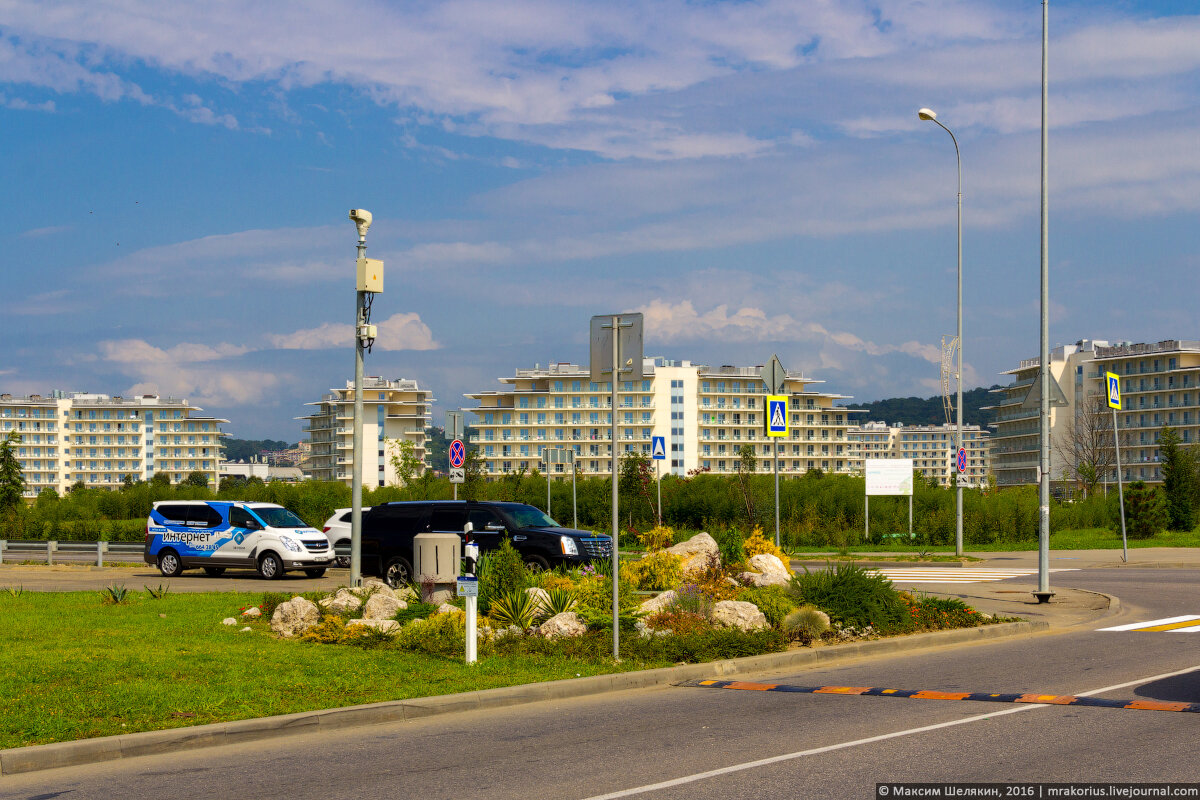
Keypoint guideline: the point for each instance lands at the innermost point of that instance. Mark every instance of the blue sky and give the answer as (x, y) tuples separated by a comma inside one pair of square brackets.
[(750, 175)]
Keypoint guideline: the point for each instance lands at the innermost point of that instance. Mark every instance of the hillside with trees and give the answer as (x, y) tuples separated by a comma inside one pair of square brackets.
[(245, 449), (928, 410)]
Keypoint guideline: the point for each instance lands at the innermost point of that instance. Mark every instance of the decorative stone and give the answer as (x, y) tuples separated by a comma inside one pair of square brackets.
[(656, 604), (373, 586), (246, 629), (697, 553), (342, 603), (739, 614), (437, 593), (380, 606), (254, 612), (229, 621), (447, 608), (768, 571), (294, 617), (385, 625), (540, 597), (562, 625)]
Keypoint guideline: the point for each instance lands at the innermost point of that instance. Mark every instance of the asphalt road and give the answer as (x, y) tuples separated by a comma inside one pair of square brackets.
[(760, 745)]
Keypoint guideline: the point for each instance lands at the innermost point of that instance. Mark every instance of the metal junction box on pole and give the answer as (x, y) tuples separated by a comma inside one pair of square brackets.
[(370, 275)]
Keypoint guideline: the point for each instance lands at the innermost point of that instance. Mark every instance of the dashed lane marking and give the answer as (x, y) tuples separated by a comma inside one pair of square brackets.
[(1188, 623), (929, 694), (955, 575)]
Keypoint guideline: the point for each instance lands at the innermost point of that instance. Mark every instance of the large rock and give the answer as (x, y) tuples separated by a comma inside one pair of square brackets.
[(374, 586), (385, 625), (697, 553), (294, 617), (768, 571), (541, 597), (342, 603), (561, 625), (449, 608), (380, 606), (739, 614), (658, 603)]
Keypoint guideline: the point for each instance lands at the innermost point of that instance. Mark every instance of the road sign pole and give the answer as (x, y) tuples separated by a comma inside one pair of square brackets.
[(775, 447), (1120, 487), (616, 375), (547, 451), (574, 502), (658, 474)]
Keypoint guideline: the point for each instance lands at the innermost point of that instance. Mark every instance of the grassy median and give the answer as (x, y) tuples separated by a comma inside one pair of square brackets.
[(75, 668)]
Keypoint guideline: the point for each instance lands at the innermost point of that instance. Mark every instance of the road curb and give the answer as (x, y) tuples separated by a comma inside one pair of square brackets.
[(89, 751)]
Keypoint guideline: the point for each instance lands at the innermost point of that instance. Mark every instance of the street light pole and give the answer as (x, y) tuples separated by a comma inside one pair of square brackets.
[(927, 114)]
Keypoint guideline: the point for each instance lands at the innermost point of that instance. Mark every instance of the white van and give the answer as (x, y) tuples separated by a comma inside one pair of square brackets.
[(217, 534)]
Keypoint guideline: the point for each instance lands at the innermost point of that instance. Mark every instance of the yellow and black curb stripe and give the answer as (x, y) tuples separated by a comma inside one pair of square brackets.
[(926, 694)]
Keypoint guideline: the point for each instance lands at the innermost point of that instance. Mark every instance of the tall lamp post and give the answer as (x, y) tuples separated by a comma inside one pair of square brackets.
[(930, 116)]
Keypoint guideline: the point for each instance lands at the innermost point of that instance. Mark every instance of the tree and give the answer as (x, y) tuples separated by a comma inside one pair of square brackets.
[(404, 460), (635, 478), (472, 488), (1086, 444), (747, 463), (196, 478), (160, 480), (12, 479), (1179, 480), (1145, 510)]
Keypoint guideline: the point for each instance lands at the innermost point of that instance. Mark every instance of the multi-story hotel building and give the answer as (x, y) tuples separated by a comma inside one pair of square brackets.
[(100, 440), (394, 411), (931, 447), (705, 414), (1160, 387)]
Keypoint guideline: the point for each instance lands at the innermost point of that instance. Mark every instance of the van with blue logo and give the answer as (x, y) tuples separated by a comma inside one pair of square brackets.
[(218, 534)]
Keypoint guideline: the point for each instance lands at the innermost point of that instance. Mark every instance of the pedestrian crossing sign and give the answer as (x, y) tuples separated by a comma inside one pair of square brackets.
[(658, 448), (777, 415), (1114, 390)]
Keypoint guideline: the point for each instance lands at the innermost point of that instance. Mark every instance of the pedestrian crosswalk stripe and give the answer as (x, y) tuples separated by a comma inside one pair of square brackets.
[(1188, 623), (954, 575)]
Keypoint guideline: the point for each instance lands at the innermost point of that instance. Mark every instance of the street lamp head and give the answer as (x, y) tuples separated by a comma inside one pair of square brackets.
[(927, 114)]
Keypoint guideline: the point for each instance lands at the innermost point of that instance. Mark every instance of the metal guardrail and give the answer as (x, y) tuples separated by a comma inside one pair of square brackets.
[(49, 548)]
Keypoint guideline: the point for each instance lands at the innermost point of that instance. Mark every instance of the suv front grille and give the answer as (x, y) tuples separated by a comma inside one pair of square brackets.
[(596, 547), (317, 547)]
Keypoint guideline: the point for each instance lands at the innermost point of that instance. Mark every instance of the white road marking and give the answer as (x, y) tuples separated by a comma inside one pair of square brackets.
[(762, 762), (953, 575), (1133, 626)]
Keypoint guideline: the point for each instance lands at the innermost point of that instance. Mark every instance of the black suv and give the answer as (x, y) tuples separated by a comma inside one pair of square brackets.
[(388, 531)]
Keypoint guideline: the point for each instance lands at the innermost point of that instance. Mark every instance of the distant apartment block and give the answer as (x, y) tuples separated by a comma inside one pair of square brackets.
[(705, 415), (394, 411), (100, 440), (931, 447), (1160, 386)]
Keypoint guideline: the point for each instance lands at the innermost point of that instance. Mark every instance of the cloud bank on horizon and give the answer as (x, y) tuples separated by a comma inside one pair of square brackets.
[(752, 176)]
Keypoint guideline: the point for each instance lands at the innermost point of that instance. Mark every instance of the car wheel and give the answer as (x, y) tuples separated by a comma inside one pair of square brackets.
[(536, 564), (169, 563), (270, 567), (315, 573), (214, 572), (398, 573), (343, 561)]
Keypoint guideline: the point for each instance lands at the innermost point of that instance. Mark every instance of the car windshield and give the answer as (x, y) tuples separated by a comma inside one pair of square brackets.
[(279, 518), (528, 517)]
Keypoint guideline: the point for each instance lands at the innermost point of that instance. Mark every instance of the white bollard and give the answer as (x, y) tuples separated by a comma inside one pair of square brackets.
[(471, 556), (101, 549), (51, 547)]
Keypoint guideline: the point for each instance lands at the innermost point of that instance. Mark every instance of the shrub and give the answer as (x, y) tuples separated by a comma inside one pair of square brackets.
[(679, 622), (759, 544), (440, 634), (805, 624), (773, 601), (937, 613), (560, 601), (692, 599), (114, 595), (656, 572), (657, 538), (710, 645), (733, 546), (518, 607), (1145, 511), (852, 596), (271, 601), (508, 570), (330, 630), (415, 610)]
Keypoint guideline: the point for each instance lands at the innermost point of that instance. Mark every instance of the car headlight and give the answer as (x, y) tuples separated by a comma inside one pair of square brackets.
[(569, 547), (291, 544)]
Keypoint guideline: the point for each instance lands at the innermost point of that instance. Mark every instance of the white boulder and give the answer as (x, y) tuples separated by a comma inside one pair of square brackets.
[(768, 571), (739, 614), (342, 603), (658, 603), (697, 553), (449, 608), (380, 606), (229, 621), (385, 625), (294, 617), (541, 598), (374, 586), (254, 612), (562, 625)]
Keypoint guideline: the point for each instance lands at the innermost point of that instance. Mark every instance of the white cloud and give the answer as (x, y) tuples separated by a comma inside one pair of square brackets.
[(185, 370), (398, 332)]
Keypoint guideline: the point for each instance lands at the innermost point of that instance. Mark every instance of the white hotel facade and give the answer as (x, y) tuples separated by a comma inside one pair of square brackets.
[(100, 439), (705, 414)]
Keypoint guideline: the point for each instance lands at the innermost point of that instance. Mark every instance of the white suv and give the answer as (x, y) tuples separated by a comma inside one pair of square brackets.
[(337, 529)]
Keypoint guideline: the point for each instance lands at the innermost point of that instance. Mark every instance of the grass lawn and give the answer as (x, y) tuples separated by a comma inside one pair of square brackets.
[(1085, 539), (75, 668)]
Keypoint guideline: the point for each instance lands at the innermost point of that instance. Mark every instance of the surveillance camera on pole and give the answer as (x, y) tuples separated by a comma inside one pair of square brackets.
[(369, 282)]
